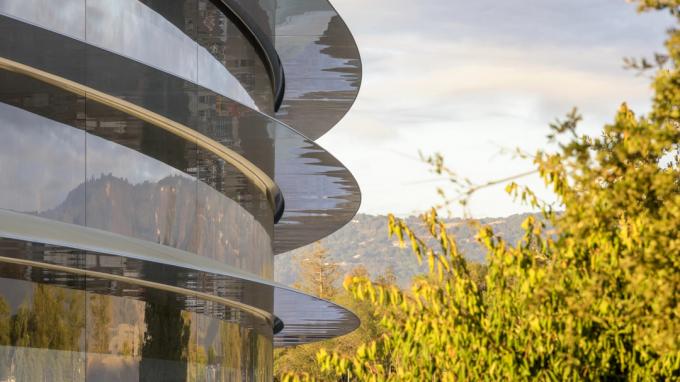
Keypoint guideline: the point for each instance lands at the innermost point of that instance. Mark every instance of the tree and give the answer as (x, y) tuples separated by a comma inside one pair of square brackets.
[(302, 359), (388, 277), (597, 299), (318, 275), (359, 271)]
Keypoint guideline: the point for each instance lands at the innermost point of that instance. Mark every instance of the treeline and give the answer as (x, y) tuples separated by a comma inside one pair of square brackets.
[(364, 242)]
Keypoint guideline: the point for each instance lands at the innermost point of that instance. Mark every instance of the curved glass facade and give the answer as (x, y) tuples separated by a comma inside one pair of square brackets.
[(65, 332), (207, 47), (82, 176), (146, 185)]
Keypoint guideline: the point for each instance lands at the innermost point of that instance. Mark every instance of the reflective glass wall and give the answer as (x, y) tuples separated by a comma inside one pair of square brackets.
[(62, 332), (191, 39), (137, 193), (66, 158), (74, 156)]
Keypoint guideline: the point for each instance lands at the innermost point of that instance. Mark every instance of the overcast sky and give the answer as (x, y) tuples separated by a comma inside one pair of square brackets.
[(471, 79)]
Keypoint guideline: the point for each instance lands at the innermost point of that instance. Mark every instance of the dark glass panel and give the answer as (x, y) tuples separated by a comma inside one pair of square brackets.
[(42, 49)]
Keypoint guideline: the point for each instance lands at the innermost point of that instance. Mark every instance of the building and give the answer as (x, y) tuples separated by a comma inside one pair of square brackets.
[(155, 155)]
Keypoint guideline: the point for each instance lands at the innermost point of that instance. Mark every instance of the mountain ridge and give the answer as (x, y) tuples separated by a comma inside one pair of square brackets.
[(364, 241)]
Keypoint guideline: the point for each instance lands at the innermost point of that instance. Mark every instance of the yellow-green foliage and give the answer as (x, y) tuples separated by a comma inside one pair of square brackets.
[(596, 299), (302, 359)]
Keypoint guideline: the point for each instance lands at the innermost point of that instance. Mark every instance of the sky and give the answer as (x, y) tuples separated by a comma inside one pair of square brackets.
[(475, 80)]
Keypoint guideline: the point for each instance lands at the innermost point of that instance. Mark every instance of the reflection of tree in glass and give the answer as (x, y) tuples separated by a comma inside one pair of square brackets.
[(166, 341), (5, 340), (45, 331), (240, 354), (230, 338), (99, 320)]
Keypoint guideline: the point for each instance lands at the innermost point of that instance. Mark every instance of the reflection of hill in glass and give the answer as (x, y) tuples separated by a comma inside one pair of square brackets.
[(151, 211), (170, 213)]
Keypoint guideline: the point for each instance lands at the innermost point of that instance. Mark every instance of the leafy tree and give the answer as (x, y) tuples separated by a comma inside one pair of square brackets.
[(319, 275), (359, 271), (302, 359), (597, 299), (388, 277)]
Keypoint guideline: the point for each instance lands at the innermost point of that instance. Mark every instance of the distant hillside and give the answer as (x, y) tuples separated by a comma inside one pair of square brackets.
[(364, 241)]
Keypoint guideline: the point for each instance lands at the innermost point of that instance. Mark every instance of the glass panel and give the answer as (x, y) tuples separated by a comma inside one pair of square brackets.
[(231, 351), (322, 66), (57, 326), (132, 29), (41, 48), (222, 58), (42, 328), (89, 179), (67, 18), (133, 194), (223, 42), (42, 160)]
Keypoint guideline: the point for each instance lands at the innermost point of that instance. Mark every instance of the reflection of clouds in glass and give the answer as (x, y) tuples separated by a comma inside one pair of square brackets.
[(41, 160), (66, 17), (311, 185), (131, 28), (474, 77), (298, 41), (106, 157)]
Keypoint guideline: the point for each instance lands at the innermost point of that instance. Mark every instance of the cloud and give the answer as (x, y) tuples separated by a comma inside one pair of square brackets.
[(471, 78)]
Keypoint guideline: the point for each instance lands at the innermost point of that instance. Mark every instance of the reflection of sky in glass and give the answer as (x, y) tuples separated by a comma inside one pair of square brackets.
[(307, 318), (309, 181), (299, 49), (41, 161), (63, 16), (128, 164), (130, 28)]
